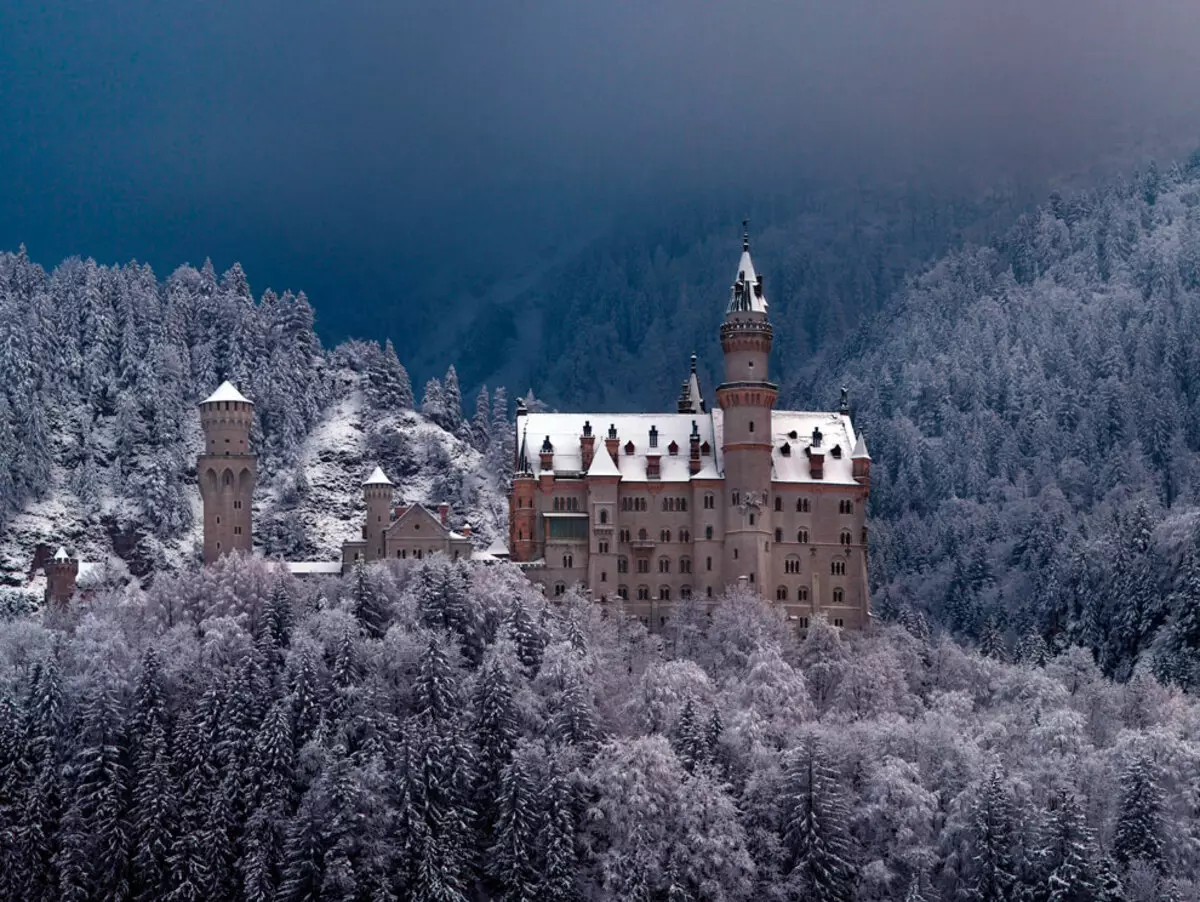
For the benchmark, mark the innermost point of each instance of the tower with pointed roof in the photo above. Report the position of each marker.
(747, 398)
(377, 492)
(228, 471)
(62, 572)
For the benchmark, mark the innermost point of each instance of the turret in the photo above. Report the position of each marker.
(377, 493)
(747, 399)
(62, 571)
(860, 461)
(227, 470)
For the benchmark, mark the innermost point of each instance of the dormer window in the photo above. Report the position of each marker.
(836, 452)
(786, 450)
(673, 448)
(547, 448)
(706, 449)
(792, 435)
(629, 447)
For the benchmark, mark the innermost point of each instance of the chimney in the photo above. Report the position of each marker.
(546, 455)
(694, 450)
(612, 443)
(587, 445)
(653, 469)
(466, 530)
(816, 456)
(444, 512)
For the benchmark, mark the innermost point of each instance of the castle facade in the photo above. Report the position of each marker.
(652, 508)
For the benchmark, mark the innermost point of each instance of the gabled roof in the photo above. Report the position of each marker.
(227, 393)
(377, 477)
(410, 512)
(602, 463)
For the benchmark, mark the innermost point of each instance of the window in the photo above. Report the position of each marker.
(781, 593)
(237, 505)
(237, 530)
(568, 561)
(623, 535)
(792, 564)
(735, 554)
(778, 535)
(643, 565)
(845, 507)
(802, 505)
(685, 535)
(397, 552)
(803, 623)
(839, 597)
(622, 564)
(685, 565)
(642, 535)
(569, 528)
(664, 565)
(778, 503)
(664, 593)
(708, 591)
(603, 576)
(653, 436)
(603, 548)
(751, 579)
(737, 498)
(837, 621)
(664, 535)
(685, 591)
(559, 589)
(802, 536)
(802, 593)
(623, 593)
(219, 521)
(710, 501)
(752, 421)
(847, 539)
(603, 516)
(838, 568)
(708, 564)
(643, 593)
(708, 532)
(752, 519)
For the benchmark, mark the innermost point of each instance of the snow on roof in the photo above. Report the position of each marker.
(378, 477)
(602, 463)
(746, 294)
(498, 548)
(87, 568)
(308, 568)
(793, 428)
(227, 393)
(860, 449)
(61, 554)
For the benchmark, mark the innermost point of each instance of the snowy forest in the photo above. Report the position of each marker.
(428, 731)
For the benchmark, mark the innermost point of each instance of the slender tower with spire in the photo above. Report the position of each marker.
(228, 470)
(747, 398)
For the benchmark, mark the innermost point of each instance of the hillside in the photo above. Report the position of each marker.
(1033, 407)
(101, 371)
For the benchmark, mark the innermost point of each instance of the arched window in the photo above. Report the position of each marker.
(802, 505)
(708, 532)
(568, 561)
(623, 593)
(737, 498)
(781, 593)
(560, 589)
(643, 565)
(802, 593)
(685, 565)
(839, 596)
(847, 539)
(710, 502)
(624, 535)
(603, 516)
(603, 576)
(708, 565)
(685, 535)
(643, 593)
(778, 535)
(664, 535)
(664, 565)
(642, 534)
(685, 591)
(791, 564)
(802, 536)
(778, 503)
(664, 593)
(622, 564)
(838, 568)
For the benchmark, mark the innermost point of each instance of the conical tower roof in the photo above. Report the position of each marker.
(227, 393)
(378, 477)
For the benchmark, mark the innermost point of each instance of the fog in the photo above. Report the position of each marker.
(370, 152)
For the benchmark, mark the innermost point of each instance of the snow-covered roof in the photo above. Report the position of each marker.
(309, 568)
(87, 568)
(227, 393)
(61, 554)
(497, 551)
(378, 477)
(793, 428)
(746, 294)
(602, 462)
(860, 449)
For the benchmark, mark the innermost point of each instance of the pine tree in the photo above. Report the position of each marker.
(556, 839)
(436, 689)
(1139, 833)
(495, 736)
(526, 636)
(481, 423)
(153, 813)
(512, 858)
(452, 398)
(815, 828)
(992, 845)
(688, 738)
(369, 605)
(1067, 850)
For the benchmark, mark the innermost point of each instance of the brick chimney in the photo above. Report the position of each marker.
(546, 455)
(816, 456)
(444, 513)
(612, 443)
(694, 450)
(587, 445)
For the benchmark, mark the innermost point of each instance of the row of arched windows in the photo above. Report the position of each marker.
(781, 594)
(674, 504)
(643, 592)
(633, 504)
(566, 504)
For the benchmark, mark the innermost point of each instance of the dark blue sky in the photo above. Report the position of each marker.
(386, 153)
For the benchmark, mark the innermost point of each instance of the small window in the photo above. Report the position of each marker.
(664, 565)
(802, 536)
(664, 593)
(737, 498)
(778, 535)
(708, 591)
(643, 593)
(685, 591)
(847, 539)
(622, 564)
(708, 532)
(603, 516)
(839, 597)
(710, 501)
(603, 576)
(791, 565)
(752, 519)
(837, 621)
(778, 503)
(643, 565)
(838, 568)
(623, 593)
(802, 595)
(781, 593)
(685, 565)
(803, 623)
(802, 505)
(752, 421)
(735, 554)
(568, 561)
(708, 564)
(560, 589)
(685, 535)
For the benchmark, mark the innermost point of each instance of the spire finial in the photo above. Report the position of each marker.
(844, 404)
(745, 234)
(693, 361)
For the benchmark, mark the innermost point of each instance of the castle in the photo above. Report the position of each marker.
(648, 509)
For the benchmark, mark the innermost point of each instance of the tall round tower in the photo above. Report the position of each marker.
(227, 471)
(377, 492)
(747, 398)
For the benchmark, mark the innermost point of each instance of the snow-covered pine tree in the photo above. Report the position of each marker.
(481, 422)
(495, 734)
(815, 827)
(369, 604)
(687, 739)
(1066, 854)
(556, 840)
(993, 862)
(512, 859)
(1139, 830)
